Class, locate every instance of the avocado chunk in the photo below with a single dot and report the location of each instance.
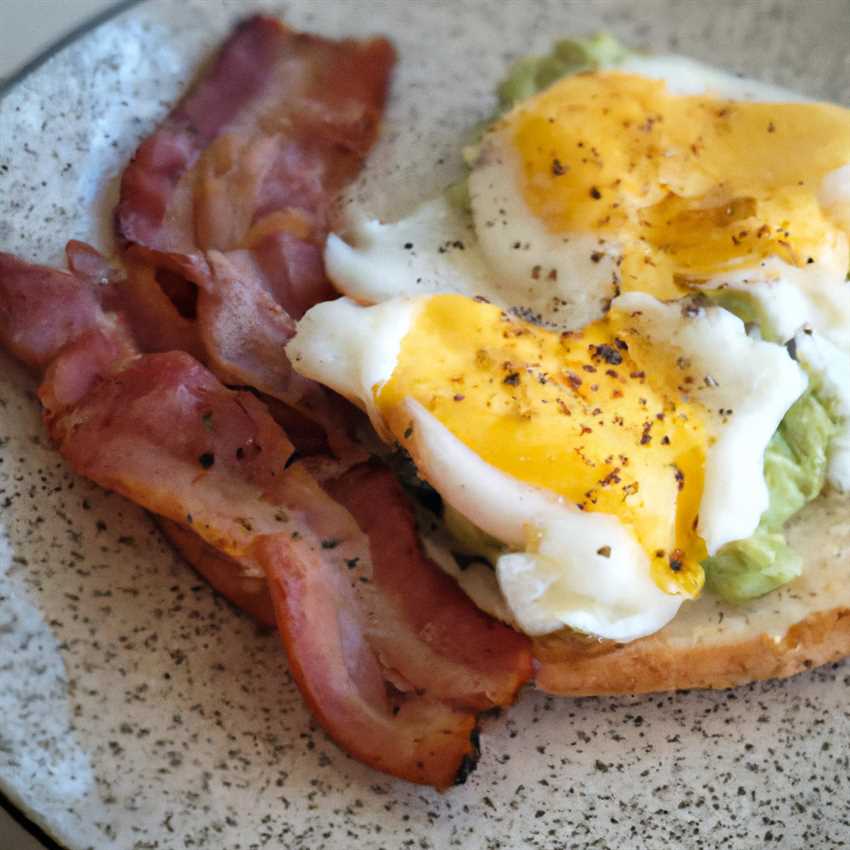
(532, 74)
(795, 466)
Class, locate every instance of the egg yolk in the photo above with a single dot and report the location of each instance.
(600, 417)
(689, 186)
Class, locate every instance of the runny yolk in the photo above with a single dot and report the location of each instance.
(689, 186)
(600, 417)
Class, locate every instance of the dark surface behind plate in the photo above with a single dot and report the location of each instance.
(140, 711)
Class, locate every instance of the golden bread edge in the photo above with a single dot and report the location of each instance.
(652, 665)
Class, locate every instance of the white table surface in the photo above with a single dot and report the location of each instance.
(27, 27)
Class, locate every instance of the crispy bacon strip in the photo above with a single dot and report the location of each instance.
(228, 202)
(323, 628)
(435, 638)
(255, 153)
(168, 435)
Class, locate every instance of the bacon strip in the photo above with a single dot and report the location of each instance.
(227, 204)
(168, 435)
(242, 582)
(435, 639)
(250, 161)
(258, 147)
(323, 629)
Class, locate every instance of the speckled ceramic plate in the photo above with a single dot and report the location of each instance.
(138, 710)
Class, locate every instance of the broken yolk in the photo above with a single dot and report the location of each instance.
(690, 187)
(600, 417)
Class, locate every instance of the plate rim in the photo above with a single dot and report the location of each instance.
(116, 8)
(26, 823)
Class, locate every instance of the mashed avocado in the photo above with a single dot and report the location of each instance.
(470, 539)
(534, 73)
(795, 466)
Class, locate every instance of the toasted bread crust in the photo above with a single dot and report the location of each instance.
(652, 664)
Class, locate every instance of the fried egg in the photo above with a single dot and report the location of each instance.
(660, 176)
(601, 457)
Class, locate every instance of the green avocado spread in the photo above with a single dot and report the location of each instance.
(795, 465)
(570, 56)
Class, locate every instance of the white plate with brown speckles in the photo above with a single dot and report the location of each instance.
(138, 710)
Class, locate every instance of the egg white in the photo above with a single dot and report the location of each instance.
(757, 381)
(685, 76)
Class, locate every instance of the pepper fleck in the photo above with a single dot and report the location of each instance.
(207, 459)
(608, 353)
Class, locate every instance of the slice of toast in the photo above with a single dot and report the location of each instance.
(716, 644)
